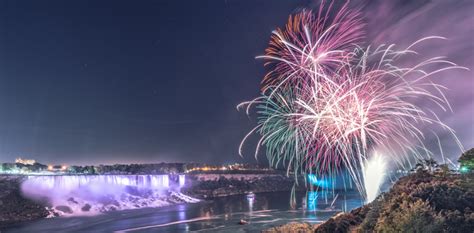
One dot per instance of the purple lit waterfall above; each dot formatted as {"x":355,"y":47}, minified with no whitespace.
{"x":182,"y":180}
{"x":70,"y":183}
{"x":91,"y":194}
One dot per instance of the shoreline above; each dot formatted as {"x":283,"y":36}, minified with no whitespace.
{"x":419,"y":187}
{"x":420,"y":202}
{"x":15,"y":208}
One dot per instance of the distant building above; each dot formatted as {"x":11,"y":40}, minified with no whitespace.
{"x":25,"y":161}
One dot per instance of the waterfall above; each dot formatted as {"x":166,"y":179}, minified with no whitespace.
{"x":92,"y":194}
{"x":182,"y":180}
{"x":71,"y":183}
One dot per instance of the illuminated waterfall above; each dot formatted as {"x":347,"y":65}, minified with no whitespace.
{"x":92,"y":194}
{"x":182,"y":180}
{"x":71,"y":183}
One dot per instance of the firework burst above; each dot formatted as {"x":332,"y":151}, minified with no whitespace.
{"x":311,"y":44}
{"x":327,"y":103}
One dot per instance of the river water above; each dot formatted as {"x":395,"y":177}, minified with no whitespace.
{"x":219,"y":215}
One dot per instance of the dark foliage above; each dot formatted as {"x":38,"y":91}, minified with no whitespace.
{"x":432,"y":199}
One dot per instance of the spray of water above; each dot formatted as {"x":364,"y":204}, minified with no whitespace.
{"x":374,"y":172}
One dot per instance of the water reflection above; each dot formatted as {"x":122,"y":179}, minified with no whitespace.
{"x":250,"y":200}
{"x":312,"y":202}
{"x":326,"y":201}
{"x":182,"y":212}
{"x":222,"y":214}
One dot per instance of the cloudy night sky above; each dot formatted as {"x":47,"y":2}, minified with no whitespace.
{"x":87,"y":82}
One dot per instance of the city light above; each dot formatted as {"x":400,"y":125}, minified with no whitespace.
{"x":230,"y":167}
{"x":25,"y":161}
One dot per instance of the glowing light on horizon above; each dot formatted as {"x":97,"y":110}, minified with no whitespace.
{"x":25,"y":161}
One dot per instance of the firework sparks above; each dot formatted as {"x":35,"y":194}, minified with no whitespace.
{"x":327,"y":103}
{"x":311,"y":44}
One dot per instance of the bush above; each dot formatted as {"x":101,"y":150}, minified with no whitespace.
{"x":404,"y":214}
{"x":372,"y":216}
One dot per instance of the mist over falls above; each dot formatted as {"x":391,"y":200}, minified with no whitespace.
{"x":93,"y":194}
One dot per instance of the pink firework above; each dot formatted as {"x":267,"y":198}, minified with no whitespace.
{"x":328,"y":104}
{"x":363,"y":108}
{"x":311,"y":44}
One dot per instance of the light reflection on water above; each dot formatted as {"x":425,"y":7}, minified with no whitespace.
{"x":312,"y":200}
{"x":222,"y":214}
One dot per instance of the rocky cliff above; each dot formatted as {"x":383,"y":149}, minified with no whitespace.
{"x":14,"y":207}
{"x":217,"y":185}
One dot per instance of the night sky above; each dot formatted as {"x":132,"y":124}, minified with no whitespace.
{"x":86,"y":82}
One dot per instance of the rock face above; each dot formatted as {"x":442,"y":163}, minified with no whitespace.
{"x":86,"y":208}
{"x":64,"y":209}
{"x":218,"y":185}
{"x":14,"y":207}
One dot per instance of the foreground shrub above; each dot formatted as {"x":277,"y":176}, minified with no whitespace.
{"x":404,"y":214}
